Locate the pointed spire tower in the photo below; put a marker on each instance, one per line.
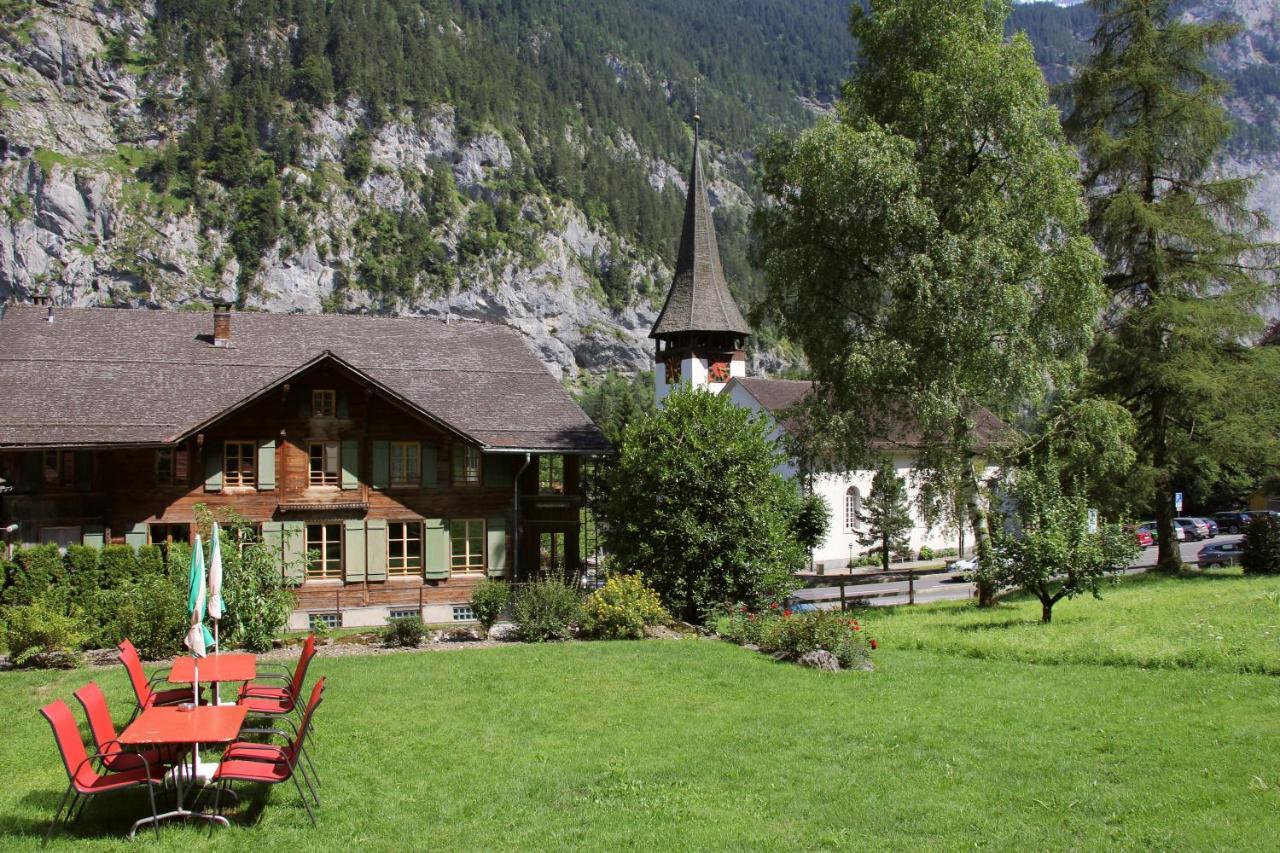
(700, 332)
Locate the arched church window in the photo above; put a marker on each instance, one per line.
(852, 506)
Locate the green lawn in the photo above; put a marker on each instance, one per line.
(1218, 620)
(697, 744)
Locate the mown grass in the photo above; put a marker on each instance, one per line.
(1216, 620)
(698, 744)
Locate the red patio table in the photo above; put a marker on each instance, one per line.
(215, 669)
(191, 727)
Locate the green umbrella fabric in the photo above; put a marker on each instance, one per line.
(198, 637)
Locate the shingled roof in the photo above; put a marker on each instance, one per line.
(699, 299)
(778, 396)
(108, 376)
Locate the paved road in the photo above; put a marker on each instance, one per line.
(943, 586)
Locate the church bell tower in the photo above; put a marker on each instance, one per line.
(700, 333)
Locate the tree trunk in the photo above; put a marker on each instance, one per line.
(884, 555)
(911, 586)
(1169, 556)
(1046, 611)
(981, 540)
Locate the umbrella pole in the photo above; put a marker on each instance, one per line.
(217, 649)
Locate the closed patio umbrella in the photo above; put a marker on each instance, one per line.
(215, 582)
(198, 637)
(215, 596)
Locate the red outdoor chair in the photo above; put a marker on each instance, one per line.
(265, 700)
(255, 751)
(255, 762)
(114, 757)
(142, 687)
(85, 781)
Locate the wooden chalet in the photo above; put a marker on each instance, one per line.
(390, 462)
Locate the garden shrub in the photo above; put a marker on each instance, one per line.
(743, 627)
(118, 566)
(151, 560)
(546, 610)
(152, 612)
(488, 599)
(926, 553)
(177, 561)
(257, 598)
(406, 631)
(621, 609)
(36, 569)
(796, 634)
(42, 633)
(1261, 553)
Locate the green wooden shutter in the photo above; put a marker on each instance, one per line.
(351, 464)
(266, 465)
(294, 550)
(213, 467)
(93, 535)
(273, 541)
(376, 534)
(84, 470)
(381, 465)
(497, 535)
(435, 548)
(136, 534)
(353, 553)
(341, 408)
(429, 454)
(497, 470)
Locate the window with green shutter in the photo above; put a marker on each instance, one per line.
(294, 548)
(497, 542)
(353, 557)
(435, 547)
(266, 465)
(351, 464)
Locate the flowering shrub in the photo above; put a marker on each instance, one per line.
(790, 635)
(621, 609)
(797, 634)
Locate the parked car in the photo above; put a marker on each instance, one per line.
(1145, 537)
(1262, 513)
(1220, 554)
(1154, 529)
(1213, 525)
(1232, 522)
(1194, 528)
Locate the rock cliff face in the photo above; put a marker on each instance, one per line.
(77, 221)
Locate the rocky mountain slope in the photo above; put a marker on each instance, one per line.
(125, 177)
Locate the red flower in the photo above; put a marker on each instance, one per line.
(786, 613)
(751, 617)
(773, 605)
(874, 644)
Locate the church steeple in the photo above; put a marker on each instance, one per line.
(700, 329)
(699, 299)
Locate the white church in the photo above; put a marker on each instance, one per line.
(700, 337)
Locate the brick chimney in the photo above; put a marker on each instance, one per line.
(40, 299)
(222, 324)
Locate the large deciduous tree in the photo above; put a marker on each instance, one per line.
(926, 248)
(693, 501)
(1182, 261)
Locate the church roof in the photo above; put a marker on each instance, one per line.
(780, 396)
(699, 299)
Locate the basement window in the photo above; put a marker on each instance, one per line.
(402, 614)
(463, 613)
(328, 621)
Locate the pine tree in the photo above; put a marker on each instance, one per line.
(886, 514)
(1183, 260)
